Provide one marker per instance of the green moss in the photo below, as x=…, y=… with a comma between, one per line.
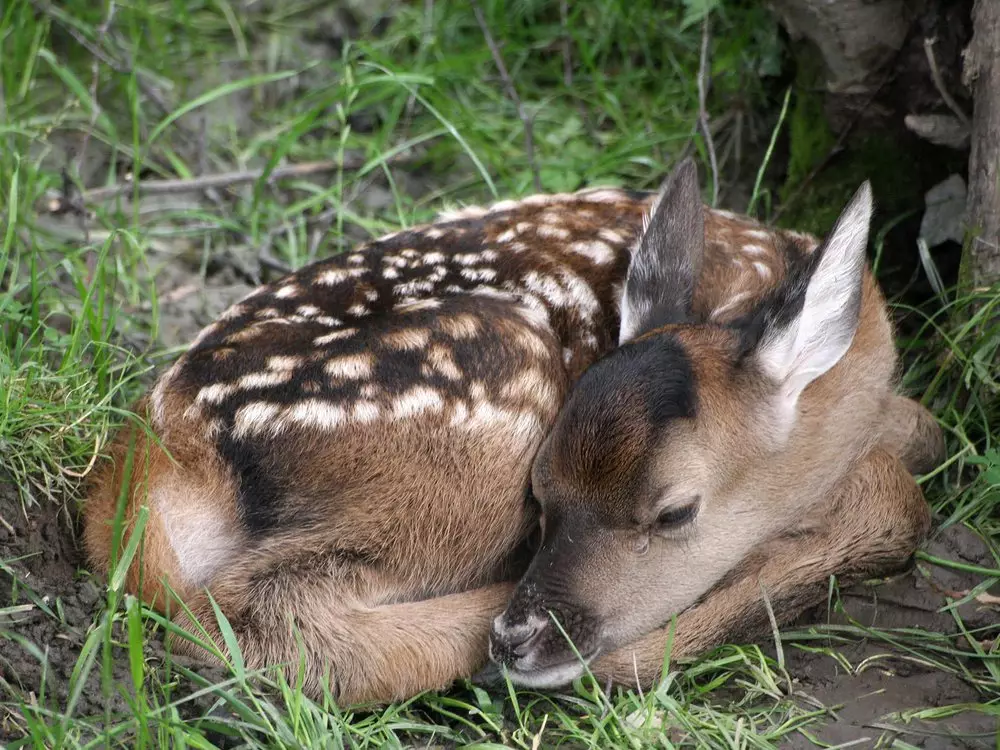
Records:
x=816, y=185
x=895, y=179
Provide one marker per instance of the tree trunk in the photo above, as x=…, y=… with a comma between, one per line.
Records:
x=856, y=38
x=981, y=264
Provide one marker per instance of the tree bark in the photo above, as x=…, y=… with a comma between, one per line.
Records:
x=855, y=37
x=981, y=264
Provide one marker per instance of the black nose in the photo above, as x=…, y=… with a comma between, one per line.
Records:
x=511, y=641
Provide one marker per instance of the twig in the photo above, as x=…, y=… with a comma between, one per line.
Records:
x=221, y=180
x=939, y=81
x=529, y=140
x=706, y=131
x=567, y=43
x=124, y=68
x=95, y=77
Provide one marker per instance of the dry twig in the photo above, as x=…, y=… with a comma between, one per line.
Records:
x=567, y=43
x=529, y=139
x=220, y=180
x=706, y=130
x=939, y=81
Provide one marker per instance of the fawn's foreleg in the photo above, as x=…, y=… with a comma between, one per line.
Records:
x=285, y=612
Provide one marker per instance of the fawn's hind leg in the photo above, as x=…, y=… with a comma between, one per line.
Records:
x=874, y=525
x=911, y=433
x=284, y=608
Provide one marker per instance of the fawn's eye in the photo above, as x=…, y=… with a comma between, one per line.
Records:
x=678, y=515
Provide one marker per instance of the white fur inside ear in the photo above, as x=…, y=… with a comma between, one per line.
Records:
x=817, y=338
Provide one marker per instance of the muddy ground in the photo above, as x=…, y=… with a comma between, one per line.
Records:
x=867, y=704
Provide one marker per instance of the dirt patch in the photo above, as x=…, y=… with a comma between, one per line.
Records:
x=874, y=700
x=869, y=700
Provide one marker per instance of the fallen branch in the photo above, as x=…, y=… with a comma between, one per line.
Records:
x=529, y=139
x=207, y=182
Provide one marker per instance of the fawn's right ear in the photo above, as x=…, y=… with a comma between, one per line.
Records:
x=661, y=277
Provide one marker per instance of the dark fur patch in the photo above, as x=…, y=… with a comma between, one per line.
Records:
x=780, y=306
x=616, y=413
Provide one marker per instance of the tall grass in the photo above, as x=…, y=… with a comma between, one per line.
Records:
x=93, y=94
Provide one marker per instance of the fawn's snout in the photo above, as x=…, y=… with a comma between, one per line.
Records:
x=527, y=640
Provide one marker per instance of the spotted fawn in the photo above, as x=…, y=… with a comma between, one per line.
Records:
x=568, y=417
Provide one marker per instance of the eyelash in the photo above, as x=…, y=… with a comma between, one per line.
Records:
x=675, y=516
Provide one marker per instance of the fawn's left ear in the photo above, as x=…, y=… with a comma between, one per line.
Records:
x=661, y=277
x=814, y=330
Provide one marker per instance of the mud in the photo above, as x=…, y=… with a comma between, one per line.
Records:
x=873, y=700
x=869, y=700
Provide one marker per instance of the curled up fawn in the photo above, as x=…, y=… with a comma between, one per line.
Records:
x=599, y=409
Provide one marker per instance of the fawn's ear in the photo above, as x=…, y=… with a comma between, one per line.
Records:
x=812, y=330
x=660, y=281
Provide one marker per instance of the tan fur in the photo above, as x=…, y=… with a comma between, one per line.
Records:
x=342, y=459
x=875, y=520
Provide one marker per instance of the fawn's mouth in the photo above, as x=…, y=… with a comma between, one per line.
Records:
x=527, y=672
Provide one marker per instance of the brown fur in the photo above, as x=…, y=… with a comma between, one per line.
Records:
x=342, y=459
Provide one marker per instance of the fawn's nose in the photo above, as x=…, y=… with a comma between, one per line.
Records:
x=510, y=641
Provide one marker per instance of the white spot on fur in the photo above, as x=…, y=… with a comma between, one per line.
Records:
x=283, y=363
x=533, y=311
x=556, y=233
x=758, y=234
x=390, y=273
x=334, y=276
x=329, y=338
x=433, y=258
x=506, y=205
x=264, y=379
x=356, y=258
x=754, y=250
x=602, y=195
x=287, y=291
x=478, y=274
x=507, y=236
x=308, y=311
x=358, y=310
x=413, y=288
x=257, y=416
x=416, y=305
x=434, y=233
x=610, y=235
x=215, y=393
x=763, y=269
x=236, y=311
x=315, y=413
x=597, y=251
x=729, y=306
x=442, y=361
x=350, y=366
x=365, y=411
x=417, y=400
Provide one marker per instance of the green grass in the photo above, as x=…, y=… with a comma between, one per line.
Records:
x=95, y=92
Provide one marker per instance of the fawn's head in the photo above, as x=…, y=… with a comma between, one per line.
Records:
x=687, y=445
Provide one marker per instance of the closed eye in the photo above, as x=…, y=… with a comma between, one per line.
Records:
x=677, y=515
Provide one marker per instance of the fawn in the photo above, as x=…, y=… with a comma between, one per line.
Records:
x=598, y=409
